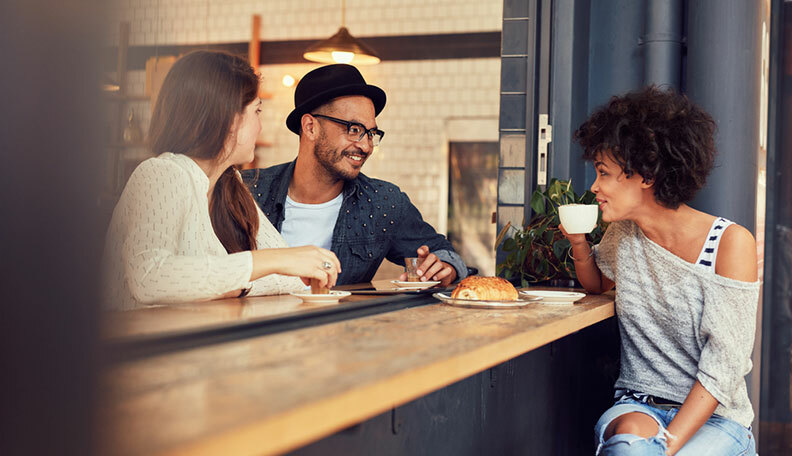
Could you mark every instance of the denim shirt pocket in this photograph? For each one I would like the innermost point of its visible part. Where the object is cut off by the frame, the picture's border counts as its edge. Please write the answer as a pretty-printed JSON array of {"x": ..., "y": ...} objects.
[{"x": 366, "y": 256}]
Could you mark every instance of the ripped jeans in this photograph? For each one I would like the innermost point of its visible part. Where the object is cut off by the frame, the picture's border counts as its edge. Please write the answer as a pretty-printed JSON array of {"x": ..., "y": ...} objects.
[{"x": 717, "y": 437}]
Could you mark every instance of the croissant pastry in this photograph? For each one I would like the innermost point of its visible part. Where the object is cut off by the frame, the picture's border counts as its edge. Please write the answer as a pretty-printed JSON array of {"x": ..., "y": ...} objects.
[{"x": 485, "y": 289}]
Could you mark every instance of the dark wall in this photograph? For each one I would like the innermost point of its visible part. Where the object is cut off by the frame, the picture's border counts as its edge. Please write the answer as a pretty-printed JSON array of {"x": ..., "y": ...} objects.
[
  {"x": 596, "y": 54},
  {"x": 568, "y": 91},
  {"x": 600, "y": 50},
  {"x": 723, "y": 76}
]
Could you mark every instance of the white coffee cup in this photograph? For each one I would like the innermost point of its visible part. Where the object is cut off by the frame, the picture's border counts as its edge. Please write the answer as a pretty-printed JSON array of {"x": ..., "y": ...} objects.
[{"x": 578, "y": 218}]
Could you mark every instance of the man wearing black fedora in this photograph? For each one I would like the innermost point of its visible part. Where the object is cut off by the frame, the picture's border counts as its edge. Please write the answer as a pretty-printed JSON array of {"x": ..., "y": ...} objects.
[{"x": 322, "y": 198}]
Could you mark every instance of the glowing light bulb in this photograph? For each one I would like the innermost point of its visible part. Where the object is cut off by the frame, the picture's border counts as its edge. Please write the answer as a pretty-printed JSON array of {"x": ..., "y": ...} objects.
[
  {"x": 342, "y": 56},
  {"x": 288, "y": 80}
]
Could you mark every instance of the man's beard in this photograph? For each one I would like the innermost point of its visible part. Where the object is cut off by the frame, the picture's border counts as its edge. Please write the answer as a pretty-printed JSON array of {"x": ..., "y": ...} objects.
[{"x": 330, "y": 159}]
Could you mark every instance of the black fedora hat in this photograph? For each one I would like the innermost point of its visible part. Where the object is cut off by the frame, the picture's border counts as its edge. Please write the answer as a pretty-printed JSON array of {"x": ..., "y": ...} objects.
[{"x": 325, "y": 83}]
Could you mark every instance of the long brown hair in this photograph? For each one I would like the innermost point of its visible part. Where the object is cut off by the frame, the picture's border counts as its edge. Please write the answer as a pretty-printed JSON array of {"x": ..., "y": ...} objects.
[{"x": 194, "y": 114}]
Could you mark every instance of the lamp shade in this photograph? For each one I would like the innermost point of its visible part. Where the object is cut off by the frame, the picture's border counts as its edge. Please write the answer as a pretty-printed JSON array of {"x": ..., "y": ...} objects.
[
  {"x": 109, "y": 84},
  {"x": 341, "y": 48}
]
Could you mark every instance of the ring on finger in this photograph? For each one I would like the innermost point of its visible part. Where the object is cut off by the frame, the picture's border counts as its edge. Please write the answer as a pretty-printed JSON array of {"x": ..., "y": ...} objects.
[{"x": 327, "y": 265}]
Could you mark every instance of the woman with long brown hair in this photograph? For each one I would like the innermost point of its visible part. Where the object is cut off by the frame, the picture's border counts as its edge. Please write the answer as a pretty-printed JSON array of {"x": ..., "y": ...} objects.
[{"x": 186, "y": 227}]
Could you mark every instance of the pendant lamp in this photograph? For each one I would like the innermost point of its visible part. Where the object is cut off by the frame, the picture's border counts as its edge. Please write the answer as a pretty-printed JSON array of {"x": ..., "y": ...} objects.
[{"x": 341, "y": 48}]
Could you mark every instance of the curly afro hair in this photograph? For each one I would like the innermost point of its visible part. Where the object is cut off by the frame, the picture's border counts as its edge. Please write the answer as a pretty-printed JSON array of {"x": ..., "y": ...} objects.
[{"x": 659, "y": 134}]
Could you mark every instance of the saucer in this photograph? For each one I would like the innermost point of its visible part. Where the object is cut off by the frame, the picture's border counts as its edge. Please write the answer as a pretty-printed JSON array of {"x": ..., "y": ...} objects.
[
  {"x": 555, "y": 297},
  {"x": 333, "y": 296},
  {"x": 415, "y": 285}
]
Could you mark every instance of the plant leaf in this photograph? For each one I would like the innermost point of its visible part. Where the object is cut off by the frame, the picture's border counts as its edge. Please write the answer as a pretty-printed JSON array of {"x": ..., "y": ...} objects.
[
  {"x": 538, "y": 202},
  {"x": 560, "y": 248},
  {"x": 523, "y": 253},
  {"x": 558, "y": 191},
  {"x": 502, "y": 234},
  {"x": 543, "y": 268},
  {"x": 588, "y": 198}
]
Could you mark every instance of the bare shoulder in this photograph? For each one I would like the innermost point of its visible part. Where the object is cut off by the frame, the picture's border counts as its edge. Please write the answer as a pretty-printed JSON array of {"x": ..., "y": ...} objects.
[{"x": 737, "y": 255}]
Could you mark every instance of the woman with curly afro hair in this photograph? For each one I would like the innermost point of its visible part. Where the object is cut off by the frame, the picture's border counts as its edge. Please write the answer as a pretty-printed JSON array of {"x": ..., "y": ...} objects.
[{"x": 686, "y": 282}]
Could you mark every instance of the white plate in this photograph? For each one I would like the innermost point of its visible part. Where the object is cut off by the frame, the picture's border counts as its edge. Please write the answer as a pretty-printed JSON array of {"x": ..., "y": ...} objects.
[
  {"x": 415, "y": 285},
  {"x": 554, "y": 297},
  {"x": 477, "y": 304},
  {"x": 334, "y": 296}
]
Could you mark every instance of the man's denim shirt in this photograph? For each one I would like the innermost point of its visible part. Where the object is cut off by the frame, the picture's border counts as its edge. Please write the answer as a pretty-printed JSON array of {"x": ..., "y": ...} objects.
[{"x": 376, "y": 221}]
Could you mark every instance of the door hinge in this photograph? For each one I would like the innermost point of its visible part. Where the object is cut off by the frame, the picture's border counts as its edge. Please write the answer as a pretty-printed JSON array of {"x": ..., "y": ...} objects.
[{"x": 544, "y": 138}]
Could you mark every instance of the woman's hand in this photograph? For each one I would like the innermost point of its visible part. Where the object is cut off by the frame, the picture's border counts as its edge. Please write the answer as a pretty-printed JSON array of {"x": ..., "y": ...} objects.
[
  {"x": 574, "y": 239},
  {"x": 698, "y": 407},
  {"x": 586, "y": 268},
  {"x": 307, "y": 262},
  {"x": 581, "y": 251}
]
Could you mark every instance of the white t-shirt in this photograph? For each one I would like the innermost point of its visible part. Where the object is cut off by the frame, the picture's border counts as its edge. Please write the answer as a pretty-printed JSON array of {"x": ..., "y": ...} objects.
[{"x": 310, "y": 224}]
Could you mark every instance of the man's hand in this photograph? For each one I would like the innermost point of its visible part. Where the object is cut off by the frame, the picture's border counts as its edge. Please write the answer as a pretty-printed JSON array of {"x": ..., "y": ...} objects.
[{"x": 430, "y": 268}]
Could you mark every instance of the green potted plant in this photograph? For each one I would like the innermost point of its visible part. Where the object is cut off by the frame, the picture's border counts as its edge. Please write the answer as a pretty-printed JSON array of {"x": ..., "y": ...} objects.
[{"x": 539, "y": 252}]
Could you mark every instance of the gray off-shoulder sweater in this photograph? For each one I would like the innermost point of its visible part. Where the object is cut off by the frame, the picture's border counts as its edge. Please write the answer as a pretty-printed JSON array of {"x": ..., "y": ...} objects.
[{"x": 679, "y": 323}]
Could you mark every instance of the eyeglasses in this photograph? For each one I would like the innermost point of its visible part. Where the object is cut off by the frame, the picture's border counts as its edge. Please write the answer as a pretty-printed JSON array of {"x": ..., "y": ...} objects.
[{"x": 356, "y": 131}]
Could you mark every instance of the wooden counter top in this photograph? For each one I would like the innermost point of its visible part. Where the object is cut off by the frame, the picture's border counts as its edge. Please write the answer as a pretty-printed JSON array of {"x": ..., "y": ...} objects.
[
  {"x": 274, "y": 393},
  {"x": 197, "y": 316}
]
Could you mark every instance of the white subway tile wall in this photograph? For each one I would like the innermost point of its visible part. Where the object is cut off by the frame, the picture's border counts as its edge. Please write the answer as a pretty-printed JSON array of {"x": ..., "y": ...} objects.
[
  {"x": 422, "y": 95},
  {"x": 212, "y": 21}
]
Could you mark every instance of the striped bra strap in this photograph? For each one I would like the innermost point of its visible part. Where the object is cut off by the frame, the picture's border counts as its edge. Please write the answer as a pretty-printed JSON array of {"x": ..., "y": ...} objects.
[{"x": 709, "y": 253}]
